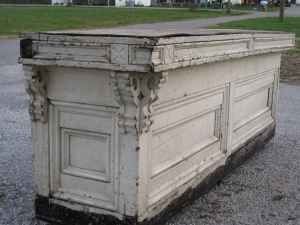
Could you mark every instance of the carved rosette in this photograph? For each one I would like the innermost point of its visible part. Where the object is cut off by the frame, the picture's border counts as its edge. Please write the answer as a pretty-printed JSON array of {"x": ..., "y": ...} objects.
[
  {"x": 135, "y": 94},
  {"x": 35, "y": 85}
]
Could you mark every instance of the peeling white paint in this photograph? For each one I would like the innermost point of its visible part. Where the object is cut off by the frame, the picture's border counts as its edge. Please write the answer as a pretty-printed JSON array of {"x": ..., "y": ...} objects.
[{"x": 135, "y": 121}]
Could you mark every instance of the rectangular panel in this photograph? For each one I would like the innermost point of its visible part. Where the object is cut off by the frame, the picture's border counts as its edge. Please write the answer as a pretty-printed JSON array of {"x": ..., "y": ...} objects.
[
  {"x": 80, "y": 86},
  {"x": 81, "y": 52},
  {"x": 140, "y": 55},
  {"x": 186, "y": 137},
  {"x": 245, "y": 108},
  {"x": 178, "y": 143},
  {"x": 257, "y": 123},
  {"x": 183, "y": 109},
  {"x": 249, "y": 86},
  {"x": 202, "y": 50},
  {"x": 84, "y": 155},
  {"x": 171, "y": 180},
  {"x": 88, "y": 120},
  {"x": 251, "y": 107},
  {"x": 271, "y": 42}
]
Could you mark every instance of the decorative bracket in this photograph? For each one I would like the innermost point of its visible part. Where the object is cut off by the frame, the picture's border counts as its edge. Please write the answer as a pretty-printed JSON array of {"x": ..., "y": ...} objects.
[
  {"x": 35, "y": 85},
  {"x": 135, "y": 94}
]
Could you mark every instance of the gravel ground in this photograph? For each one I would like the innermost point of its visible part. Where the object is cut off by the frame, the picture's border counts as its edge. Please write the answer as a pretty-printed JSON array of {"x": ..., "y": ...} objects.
[{"x": 290, "y": 66}]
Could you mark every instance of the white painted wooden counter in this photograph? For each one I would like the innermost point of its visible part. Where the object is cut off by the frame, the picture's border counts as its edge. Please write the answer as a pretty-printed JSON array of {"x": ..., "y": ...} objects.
[{"x": 126, "y": 121}]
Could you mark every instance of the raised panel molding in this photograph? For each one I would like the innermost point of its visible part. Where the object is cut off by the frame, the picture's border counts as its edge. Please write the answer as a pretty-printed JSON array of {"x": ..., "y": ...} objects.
[
  {"x": 202, "y": 50},
  {"x": 247, "y": 89},
  {"x": 253, "y": 97},
  {"x": 78, "y": 52},
  {"x": 207, "y": 108},
  {"x": 92, "y": 164},
  {"x": 84, "y": 154}
]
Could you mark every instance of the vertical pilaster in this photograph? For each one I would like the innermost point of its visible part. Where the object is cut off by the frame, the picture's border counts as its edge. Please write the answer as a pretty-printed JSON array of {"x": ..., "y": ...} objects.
[{"x": 38, "y": 110}]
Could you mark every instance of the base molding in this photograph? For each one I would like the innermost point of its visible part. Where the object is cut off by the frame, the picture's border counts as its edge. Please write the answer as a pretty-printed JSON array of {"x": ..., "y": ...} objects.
[{"x": 59, "y": 215}]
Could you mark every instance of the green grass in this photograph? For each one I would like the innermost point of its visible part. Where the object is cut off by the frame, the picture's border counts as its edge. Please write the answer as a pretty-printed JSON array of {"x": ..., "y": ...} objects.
[
  {"x": 14, "y": 20},
  {"x": 254, "y": 7},
  {"x": 290, "y": 24}
]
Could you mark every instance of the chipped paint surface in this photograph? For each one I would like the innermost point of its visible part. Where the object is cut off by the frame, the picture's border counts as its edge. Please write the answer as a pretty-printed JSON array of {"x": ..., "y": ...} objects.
[{"x": 134, "y": 122}]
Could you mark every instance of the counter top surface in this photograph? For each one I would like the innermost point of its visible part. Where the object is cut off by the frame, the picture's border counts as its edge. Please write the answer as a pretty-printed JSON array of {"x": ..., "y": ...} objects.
[
  {"x": 144, "y": 50},
  {"x": 154, "y": 33}
]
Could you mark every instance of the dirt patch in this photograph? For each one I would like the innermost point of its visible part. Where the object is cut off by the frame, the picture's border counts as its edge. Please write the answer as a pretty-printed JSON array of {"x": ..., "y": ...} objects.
[{"x": 290, "y": 65}]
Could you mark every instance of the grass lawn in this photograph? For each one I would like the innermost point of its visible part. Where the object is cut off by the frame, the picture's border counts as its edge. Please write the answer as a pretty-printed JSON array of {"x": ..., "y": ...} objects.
[
  {"x": 290, "y": 24},
  {"x": 14, "y": 20}
]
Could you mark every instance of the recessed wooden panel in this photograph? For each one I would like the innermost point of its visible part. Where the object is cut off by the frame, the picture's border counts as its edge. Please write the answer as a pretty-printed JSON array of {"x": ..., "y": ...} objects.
[
  {"x": 201, "y": 50},
  {"x": 88, "y": 153},
  {"x": 84, "y": 155},
  {"x": 181, "y": 141},
  {"x": 164, "y": 184},
  {"x": 80, "y": 86},
  {"x": 271, "y": 42},
  {"x": 186, "y": 135},
  {"x": 245, "y": 108},
  {"x": 251, "y": 107},
  {"x": 81, "y": 52}
]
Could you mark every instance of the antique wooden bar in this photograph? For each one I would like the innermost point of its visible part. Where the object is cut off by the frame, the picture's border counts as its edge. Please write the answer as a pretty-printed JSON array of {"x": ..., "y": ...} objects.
[{"x": 127, "y": 124}]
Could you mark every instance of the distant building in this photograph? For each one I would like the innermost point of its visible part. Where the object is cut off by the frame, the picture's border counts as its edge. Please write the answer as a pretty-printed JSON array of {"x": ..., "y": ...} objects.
[
  {"x": 117, "y": 3},
  {"x": 195, "y": 2},
  {"x": 61, "y": 2}
]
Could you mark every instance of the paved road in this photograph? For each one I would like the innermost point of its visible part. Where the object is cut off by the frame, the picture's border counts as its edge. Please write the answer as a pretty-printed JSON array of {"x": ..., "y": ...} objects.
[
  {"x": 202, "y": 23},
  {"x": 263, "y": 191},
  {"x": 9, "y": 51}
]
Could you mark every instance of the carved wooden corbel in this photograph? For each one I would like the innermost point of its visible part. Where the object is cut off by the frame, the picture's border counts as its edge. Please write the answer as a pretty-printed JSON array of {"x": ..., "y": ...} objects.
[
  {"x": 147, "y": 94},
  {"x": 135, "y": 94},
  {"x": 121, "y": 84},
  {"x": 35, "y": 85}
]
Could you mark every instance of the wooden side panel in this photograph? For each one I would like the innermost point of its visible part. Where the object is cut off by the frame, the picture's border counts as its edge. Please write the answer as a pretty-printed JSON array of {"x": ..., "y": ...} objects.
[
  {"x": 80, "y": 86},
  {"x": 252, "y": 106},
  {"x": 186, "y": 136},
  {"x": 203, "y": 114},
  {"x": 208, "y": 76},
  {"x": 84, "y": 154}
]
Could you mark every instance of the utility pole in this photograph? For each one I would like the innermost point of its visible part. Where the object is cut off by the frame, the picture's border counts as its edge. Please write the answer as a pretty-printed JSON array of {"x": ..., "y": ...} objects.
[{"x": 281, "y": 12}]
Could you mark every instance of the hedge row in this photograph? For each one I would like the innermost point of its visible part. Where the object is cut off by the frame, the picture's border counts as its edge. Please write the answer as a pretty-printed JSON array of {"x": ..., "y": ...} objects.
[{"x": 76, "y": 2}]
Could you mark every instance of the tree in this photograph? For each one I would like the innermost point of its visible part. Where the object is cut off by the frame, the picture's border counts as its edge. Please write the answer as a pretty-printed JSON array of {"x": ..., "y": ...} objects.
[{"x": 228, "y": 10}]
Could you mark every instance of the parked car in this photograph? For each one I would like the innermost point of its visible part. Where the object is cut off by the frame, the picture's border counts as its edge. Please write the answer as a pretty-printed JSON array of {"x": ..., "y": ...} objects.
[{"x": 277, "y": 2}]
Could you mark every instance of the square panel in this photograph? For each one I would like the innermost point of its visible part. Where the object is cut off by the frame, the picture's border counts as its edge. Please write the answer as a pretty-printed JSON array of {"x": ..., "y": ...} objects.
[{"x": 86, "y": 154}]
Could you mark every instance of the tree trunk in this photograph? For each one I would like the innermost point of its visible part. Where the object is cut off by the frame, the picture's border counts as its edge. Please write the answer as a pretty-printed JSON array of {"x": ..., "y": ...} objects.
[
  {"x": 281, "y": 12},
  {"x": 228, "y": 10}
]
